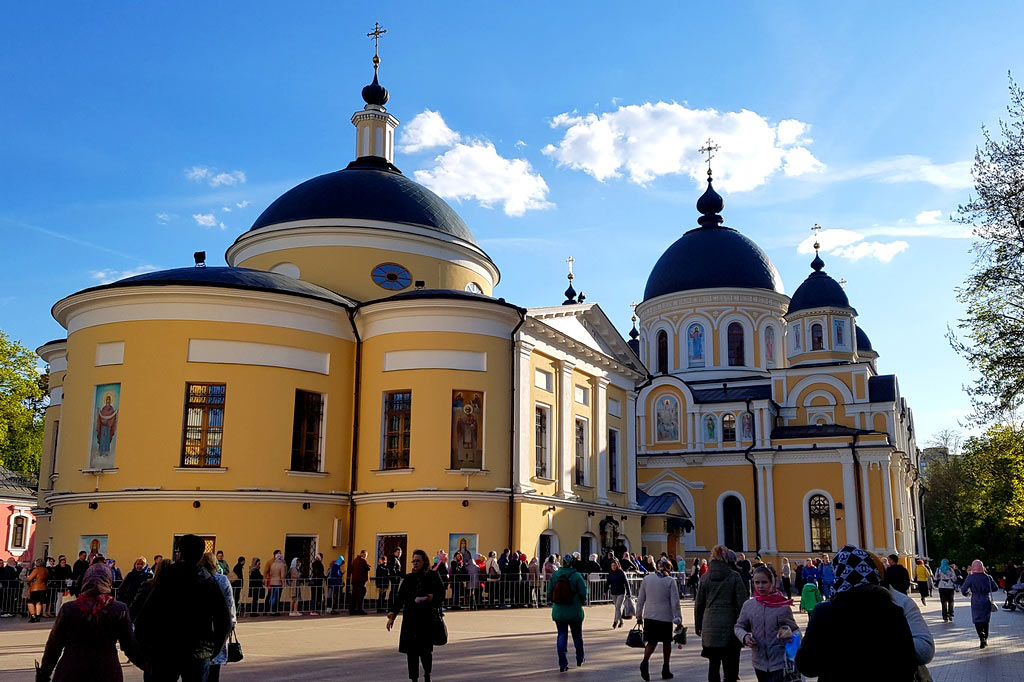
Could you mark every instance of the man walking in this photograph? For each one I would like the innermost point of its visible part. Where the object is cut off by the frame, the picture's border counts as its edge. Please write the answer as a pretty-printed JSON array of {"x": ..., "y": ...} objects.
[
  {"x": 185, "y": 621},
  {"x": 359, "y": 573}
]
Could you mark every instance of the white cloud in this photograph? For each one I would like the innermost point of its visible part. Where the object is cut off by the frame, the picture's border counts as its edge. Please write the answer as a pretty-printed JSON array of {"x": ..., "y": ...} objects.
[
  {"x": 912, "y": 168},
  {"x": 653, "y": 139},
  {"x": 226, "y": 209},
  {"x": 477, "y": 171},
  {"x": 108, "y": 276},
  {"x": 165, "y": 218},
  {"x": 852, "y": 245},
  {"x": 213, "y": 178},
  {"x": 884, "y": 252},
  {"x": 520, "y": 144},
  {"x": 427, "y": 130},
  {"x": 205, "y": 219},
  {"x": 243, "y": 203},
  {"x": 928, "y": 217}
]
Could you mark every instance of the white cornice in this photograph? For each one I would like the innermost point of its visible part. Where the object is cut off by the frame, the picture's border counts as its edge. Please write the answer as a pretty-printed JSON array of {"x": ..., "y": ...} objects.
[
  {"x": 541, "y": 335},
  {"x": 436, "y": 315},
  {"x": 57, "y": 498},
  {"x": 666, "y": 303}
]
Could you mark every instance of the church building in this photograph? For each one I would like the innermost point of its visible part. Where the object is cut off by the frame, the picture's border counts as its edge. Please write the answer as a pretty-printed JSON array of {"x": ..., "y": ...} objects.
[{"x": 349, "y": 381}]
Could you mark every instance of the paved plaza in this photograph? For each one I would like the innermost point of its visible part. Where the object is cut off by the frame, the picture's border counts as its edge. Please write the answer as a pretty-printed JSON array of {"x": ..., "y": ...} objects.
[{"x": 515, "y": 643}]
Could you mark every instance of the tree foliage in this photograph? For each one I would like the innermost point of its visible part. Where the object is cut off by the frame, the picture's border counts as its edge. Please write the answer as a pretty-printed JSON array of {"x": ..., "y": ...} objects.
[
  {"x": 991, "y": 336},
  {"x": 22, "y": 404},
  {"x": 974, "y": 501}
]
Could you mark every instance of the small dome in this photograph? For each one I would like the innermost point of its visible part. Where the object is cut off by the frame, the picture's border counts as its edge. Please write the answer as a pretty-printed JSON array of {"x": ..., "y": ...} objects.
[
  {"x": 819, "y": 291},
  {"x": 863, "y": 342},
  {"x": 375, "y": 93},
  {"x": 369, "y": 188}
]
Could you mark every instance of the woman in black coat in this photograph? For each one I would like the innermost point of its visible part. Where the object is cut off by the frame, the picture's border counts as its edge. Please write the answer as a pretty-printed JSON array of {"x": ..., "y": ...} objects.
[
  {"x": 256, "y": 591},
  {"x": 420, "y": 594}
]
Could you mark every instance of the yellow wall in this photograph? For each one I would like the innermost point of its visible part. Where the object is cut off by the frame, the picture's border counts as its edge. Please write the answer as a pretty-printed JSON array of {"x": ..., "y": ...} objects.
[{"x": 346, "y": 269}]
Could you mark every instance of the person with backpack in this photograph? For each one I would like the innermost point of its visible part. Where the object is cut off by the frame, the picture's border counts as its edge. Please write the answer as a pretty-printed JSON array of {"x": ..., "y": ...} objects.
[{"x": 567, "y": 592}]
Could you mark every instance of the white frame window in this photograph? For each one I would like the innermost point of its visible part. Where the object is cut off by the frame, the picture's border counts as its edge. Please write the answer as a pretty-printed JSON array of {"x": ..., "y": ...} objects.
[
  {"x": 581, "y": 394},
  {"x": 25, "y": 519},
  {"x": 549, "y": 474},
  {"x": 614, "y": 468},
  {"x": 581, "y": 451},
  {"x": 614, "y": 408},
  {"x": 543, "y": 380}
]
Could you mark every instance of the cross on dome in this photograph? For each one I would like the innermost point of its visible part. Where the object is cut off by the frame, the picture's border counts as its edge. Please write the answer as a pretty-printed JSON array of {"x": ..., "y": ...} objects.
[
  {"x": 374, "y": 93},
  {"x": 709, "y": 148},
  {"x": 376, "y": 33}
]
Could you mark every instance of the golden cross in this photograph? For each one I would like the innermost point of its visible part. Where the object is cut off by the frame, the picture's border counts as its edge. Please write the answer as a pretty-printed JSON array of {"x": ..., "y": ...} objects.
[
  {"x": 709, "y": 148},
  {"x": 570, "y": 260},
  {"x": 376, "y": 33},
  {"x": 816, "y": 229},
  {"x": 633, "y": 306},
  {"x": 842, "y": 282}
]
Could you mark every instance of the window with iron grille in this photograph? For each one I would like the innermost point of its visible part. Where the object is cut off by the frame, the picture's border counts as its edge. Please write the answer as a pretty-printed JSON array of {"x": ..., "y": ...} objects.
[
  {"x": 204, "y": 425},
  {"x": 397, "y": 431},
  {"x": 541, "y": 427},
  {"x": 820, "y": 515},
  {"x": 581, "y": 452},
  {"x": 613, "y": 460},
  {"x": 307, "y": 431}
]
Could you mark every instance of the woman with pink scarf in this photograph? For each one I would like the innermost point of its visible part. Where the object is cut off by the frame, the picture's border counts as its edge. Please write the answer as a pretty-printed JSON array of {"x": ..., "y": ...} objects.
[
  {"x": 765, "y": 625},
  {"x": 980, "y": 586}
]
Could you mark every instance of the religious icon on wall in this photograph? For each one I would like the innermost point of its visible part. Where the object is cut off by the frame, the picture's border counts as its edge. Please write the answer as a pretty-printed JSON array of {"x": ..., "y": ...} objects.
[
  {"x": 464, "y": 544},
  {"x": 467, "y": 430},
  {"x": 769, "y": 346},
  {"x": 747, "y": 425},
  {"x": 93, "y": 544},
  {"x": 695, "y": 345},
  {"x": 710, "y": 432},
  {"x": 796, "y": 337},
  {"x": 103, "y": 433},
  {"x": 840, "y": 332},
  {"x": 666, "y": 419}
]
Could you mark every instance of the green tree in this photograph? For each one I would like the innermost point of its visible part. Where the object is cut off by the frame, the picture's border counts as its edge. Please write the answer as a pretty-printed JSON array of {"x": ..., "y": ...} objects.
[{"x": 22, "y": 404}]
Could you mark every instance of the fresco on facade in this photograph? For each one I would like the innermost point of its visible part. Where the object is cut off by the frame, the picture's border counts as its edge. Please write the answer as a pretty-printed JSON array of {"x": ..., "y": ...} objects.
[
  {"x": 747, "y": 426},
  {"x": 666, "y": 419},
  {"x": 467, "y": 430},
  {"x": 695, "y": 346},
  {"x": 104, "y": 426},
  {"x": 93, "y": 545},
  {"x": 769, "y": 346},
  {"x": 464, "y": 544},
  {"x": 840, "y": 332},
  {"x": 710, "y": 430}
]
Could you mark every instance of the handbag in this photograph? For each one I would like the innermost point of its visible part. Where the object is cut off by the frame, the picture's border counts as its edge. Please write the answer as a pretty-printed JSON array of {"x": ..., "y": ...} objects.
[
  {"x": 635, "y": 638},
  {"x": 234, "y": 648},
  {"x": 628, "y": 607},
  {"x": 790, "y": 673},
  {"x": 440, "y": 633}
]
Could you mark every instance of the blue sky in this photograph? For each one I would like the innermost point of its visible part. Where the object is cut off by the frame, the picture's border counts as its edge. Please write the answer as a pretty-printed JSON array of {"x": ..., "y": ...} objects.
[{"x": 128, "y": 130}]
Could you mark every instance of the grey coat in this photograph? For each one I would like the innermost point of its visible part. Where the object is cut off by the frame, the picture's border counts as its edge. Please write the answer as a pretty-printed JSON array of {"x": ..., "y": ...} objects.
[
  {"x": 720, "y": 597},
  {"x": 763, "y": 622}
]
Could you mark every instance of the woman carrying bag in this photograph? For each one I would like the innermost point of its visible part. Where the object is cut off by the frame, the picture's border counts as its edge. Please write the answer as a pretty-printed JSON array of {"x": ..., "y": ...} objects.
[
  {"x": 420, "y": 594},
  {"x": 980, "y": 586},
  {"x": 618, "y": 588},
  {"x": 657, "y": 608}
]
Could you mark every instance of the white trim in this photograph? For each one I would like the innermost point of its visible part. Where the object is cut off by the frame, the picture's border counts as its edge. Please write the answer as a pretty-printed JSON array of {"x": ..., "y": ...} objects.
[
  {"x": 551, "y": 533},
  {"x": 55, "y": 499},
  {"x": 749, "y": 338},
  {"x": 549, "y": 446},
  {"x": 470, "y": 361},
  {"x": 670, "y": 366},
  {"x": 19, "y": 513},
  {"x": 794, "y": 393},
  {"x": 56, "y": 396},
  {"x": 228, "y": 352},
  {"x": 436, "y": 315},
  {"x": 287, "y": 269},
  {"x": 721, "y": 521},
  {"x": 832, "y": 521},
  {"x": 109, "y": 353}
]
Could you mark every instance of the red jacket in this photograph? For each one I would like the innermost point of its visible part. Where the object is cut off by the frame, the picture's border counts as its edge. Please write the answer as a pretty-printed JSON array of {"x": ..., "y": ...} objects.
[{"x": 359, "y": 571}]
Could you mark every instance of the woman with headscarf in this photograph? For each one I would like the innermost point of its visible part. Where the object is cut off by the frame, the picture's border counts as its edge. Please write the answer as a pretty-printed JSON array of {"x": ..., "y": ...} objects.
[
  {"x": 720, "y": 597},
  {"x": 420, "y": 594},
  {"x": 294, "y": 582},
  {"x": 209, "y": 563},
  {"x": 945, "y": 580},
  {"x": 860, "y": 620},
  {"x": 83, "y": 642},
  {"x": 765, "y": 625},
  {"x": 657, "y": 609},
  {"x": 336, "y": 586},
  {"x": 256, "y": 589},
  {"x": 979, "y": 585}
]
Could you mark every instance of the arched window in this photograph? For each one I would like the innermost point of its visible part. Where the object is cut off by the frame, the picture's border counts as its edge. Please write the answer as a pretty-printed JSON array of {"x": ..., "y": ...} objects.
[
  {"x": 817, "y": 339},
  {"x": 728, "y": 428},
  {"x": 819, "y": 511},
  {"x": 736, "y": 357},
  {"x": 19, "y": 534},
  {"x": 732, "y": 523},
  {"x": 662, "y": 352}
]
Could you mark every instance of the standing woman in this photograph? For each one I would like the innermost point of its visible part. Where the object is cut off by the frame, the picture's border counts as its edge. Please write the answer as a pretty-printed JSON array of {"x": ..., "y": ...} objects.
[
  {"x": 420, "y": 594},
  {"x": 256, "y": 591},
  {"x": 945, "y": 579},
  {"x": 720, "y": 597},
  {"x": 980, "y": 586},
  {"x": 657, "y": 608},
  {"x": 765, "y": 624},
  {"x": 922, "y": 576},
  {"x": 36, "y": 580},
  {"x": 617, "y": 588},
  {"x": 294, "y": 582},
  {"x": 787, "y": 574},
  {"x": 567, "y": 593}
]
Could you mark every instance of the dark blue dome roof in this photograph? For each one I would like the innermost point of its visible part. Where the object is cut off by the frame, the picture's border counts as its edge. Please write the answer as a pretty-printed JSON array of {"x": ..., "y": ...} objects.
[
  {"x": 863, "y": 342},
  {"x": 231, "y": 278},
  {"x": 819, "y": 291},
  {"x": 708, "y": 257},
  {"x": 369, "y": 188}
]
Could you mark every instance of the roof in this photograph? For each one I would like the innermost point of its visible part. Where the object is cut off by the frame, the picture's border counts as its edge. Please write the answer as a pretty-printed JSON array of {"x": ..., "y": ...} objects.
[
  {"x": 882, "y": 389},
  {"x": 451, "y": 294},
  {"x": 732, "y": 394},
  {"x": 13, "y": 484},
  {"x": 656, "y": 504},
  {"x": 814, "y": 431},
  {"x": 819, "y": 291},
  {"x": 369, "y": 188},
  {"x": 863, "y": 342},
  {"x": 229, "y": 278}
]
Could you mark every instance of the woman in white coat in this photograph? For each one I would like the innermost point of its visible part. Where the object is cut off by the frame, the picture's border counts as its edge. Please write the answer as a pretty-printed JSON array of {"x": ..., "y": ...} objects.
[{"x": 657, "y": 609}]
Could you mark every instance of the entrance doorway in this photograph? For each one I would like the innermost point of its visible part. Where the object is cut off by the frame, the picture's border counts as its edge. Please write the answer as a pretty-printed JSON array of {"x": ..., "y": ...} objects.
[
  {"x": 387, "y": 544},
  {"x": 304, "y": 548}
]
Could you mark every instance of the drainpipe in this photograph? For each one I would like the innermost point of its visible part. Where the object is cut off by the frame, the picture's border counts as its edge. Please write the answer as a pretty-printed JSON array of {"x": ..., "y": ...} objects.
[
  {"x": 512, "y": 430},
  {"x": 355, "y": 433},
  {"x": 860, "y": 492},
  {"x": 753, "y": 471}
]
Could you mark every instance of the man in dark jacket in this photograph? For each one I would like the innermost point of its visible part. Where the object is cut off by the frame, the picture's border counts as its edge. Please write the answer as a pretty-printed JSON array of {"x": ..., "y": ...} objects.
[
  {"x": 382, "y": 579},
  {"x": 396, "y": 570},
  {"x": 185, "y": 621},
  {"x": 359, "y": 573},
  {"x": 861, "y": 619},
  {"x": 78, "y": 570}
]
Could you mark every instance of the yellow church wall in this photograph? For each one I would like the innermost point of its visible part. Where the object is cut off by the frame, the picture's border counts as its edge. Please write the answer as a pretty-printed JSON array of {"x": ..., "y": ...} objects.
[
  {"x": 431, "y": 415},
  {"x": 258, "y": 417},
  {"x": 858, "y": 383},
  {"x": 147, "y": 527},
  {"x": 878, "y": 423},
  {"x": 347, "y": 269},
  {"x": 569, "y": 524},
  {"x": 791, "y": 484},
  {"x": 876, "y": 481}
]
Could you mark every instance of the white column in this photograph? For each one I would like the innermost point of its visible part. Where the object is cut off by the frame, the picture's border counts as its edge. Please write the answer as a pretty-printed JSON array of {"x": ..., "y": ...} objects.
[
  {"x": 523, "y": 427},
  {"x": 850, "y": 502},
  {"x": 566, "y": 430},
  {"x": 599, "y": 410},
  {"x": 770, "y": 504},
  {"x": 869, "y": 521},
  {"x": 630, "y": 468},
  {"x": 890, "y": 533},
  {"x": 920, "y": 543},
  {"x": 760, "y": 511}
]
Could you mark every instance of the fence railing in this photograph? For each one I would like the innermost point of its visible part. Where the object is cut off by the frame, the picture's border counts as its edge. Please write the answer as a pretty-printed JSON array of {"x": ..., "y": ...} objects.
[{"x": 306, "y": 596}]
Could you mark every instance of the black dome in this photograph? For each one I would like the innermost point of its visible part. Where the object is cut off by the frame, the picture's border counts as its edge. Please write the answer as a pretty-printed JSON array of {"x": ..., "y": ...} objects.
[
  {"x": 863, "y": 342},
  {"x": 369, "y": 188},
  {"x": 819, "y": 291},
  {"x": 231, "y": 278},
  {"x": 708, "y": 257}
]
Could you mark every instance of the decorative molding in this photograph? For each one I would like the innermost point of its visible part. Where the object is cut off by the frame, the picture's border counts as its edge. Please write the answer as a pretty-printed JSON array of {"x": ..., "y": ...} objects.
[
  {"x": 109, "y": 353},
  {"x": 222, "y": 351},
  {"x": 470, "y": 361},
  {"x": 436, "y": 315},
  {"x": 59, "y": 498}
]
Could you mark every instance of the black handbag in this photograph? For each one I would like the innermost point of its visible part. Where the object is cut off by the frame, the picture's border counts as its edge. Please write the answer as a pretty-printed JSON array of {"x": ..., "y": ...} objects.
[
  {"x": 635, "y": 638},
  {"x": 234, "y": 648},
  {"x": 440, "y": 634}
]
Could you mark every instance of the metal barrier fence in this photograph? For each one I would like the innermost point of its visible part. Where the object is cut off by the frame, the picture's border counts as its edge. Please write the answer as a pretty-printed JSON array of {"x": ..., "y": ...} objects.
[{"x": 304, "y": 596}]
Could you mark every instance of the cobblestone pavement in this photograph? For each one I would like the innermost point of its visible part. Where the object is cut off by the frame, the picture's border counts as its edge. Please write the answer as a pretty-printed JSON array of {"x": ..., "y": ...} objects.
[{"x": 509, "y": 644}]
